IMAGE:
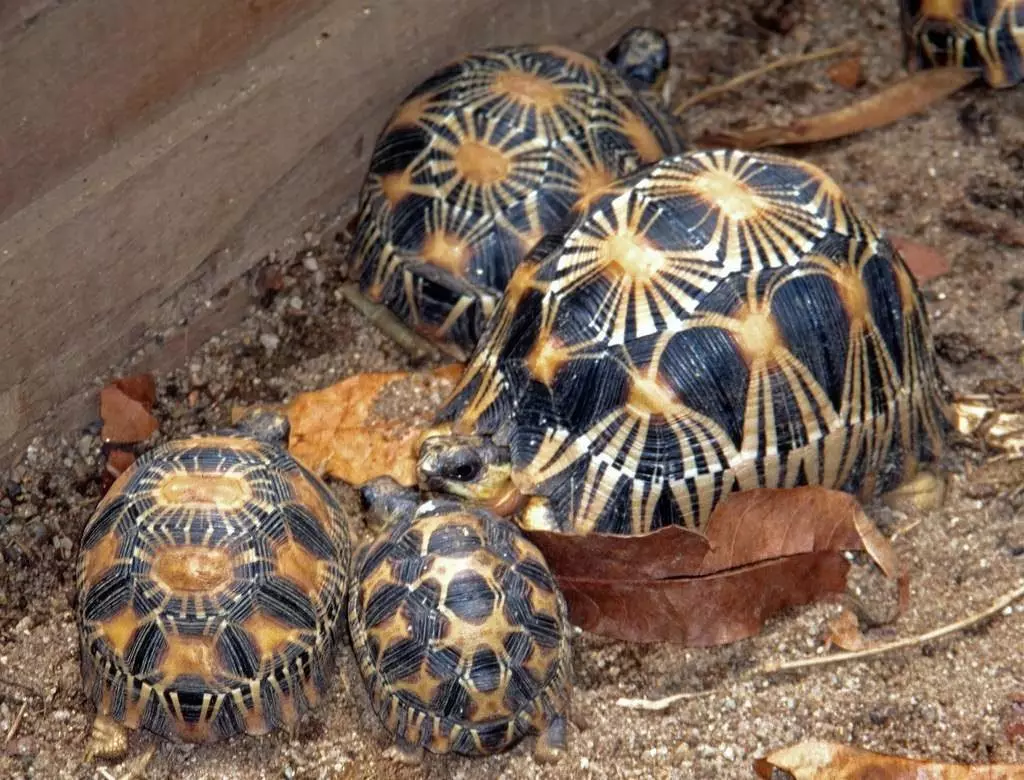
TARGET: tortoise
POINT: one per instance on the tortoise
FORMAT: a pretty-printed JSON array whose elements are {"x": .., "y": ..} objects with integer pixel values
[
  {"x": 978, "y": 34},
  {"x": 718, "y": 321},
  {"x": 211, "y": 590},
  {"x": 461, "y": 634},
  {"x": 481, "y": 160}
]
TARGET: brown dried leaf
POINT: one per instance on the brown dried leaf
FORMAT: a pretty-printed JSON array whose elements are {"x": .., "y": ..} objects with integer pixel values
[
  {"x": 125, "y": 406},
  {"x": 815, "y": 759},
  {"x": 781, "y": 545},
  {"x": 341, "y": 431},
  {"x": 906, "y": 97},
  {"x": 702, "y": 611},
  {"x": 848, "y": 73},
  {"x": 844, "y": 632},
  {"x": 923, "y": 261}
]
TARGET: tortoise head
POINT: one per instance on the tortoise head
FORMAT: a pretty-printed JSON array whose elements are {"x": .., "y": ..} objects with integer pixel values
[
  {"x": 470, "y": 467},
  {"x": 387, "y": 502},
  {"x": 641, "y": 56},
  {"x": 264, "y": 425}
]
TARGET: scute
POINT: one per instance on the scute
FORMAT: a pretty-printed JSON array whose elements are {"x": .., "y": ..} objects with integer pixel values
[
  {"x": 772, "y": 341},
  {"x": 178, "y": 649},
  {"x": 479, "y": 163},
  {"x": 475, "y": 653}
]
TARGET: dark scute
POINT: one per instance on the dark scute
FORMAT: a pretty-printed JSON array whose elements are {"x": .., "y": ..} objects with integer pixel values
[
  {"x": 785, "y": 182},
  {"x": 470, "y": 597},
  {"x": 238, "y": 653},
  {"x": 500, "y": 535},
  {"x": 108, "y": 596},
  {"x": 309, "y": 532},
  {"x": 407, "y": 544},
  {"x": 452, "y": 700},
  {"x": 397, "y": 150},
  {"x": 408, "y": 570},
  {"x": 420, "y": 613},
  {"x": 401, "y": 660},
  {"x": 408, "y": 225},
  {"x": 102, "y": 523},
  {"x": 383, "y": 604},
  {"x": 229, "y": 719},
  {"x": 886, "y": 305},
  {"x": 536, "y": 572},
  {"x": 495, "y": 256},
  {"x": 519, "y": 611},
  {"x": 810, "y": 316},
  {"x": 485, "y": 671},
  {"x": 454, "y": 540},
  {"x": 443, "y": 664},
  {"x": 585, "y": 391},
  {"x": 666, "y": 511},
  {"x": 790, "y": 429},
  {"x": 282, "y": 600},
  {"x": 191, "y": 692},
  {"x": 145, "y": 650},
  {"x": 522, "y": 332},
  {"x": 493, "y": 736},
  {"x": 522, "y": 688}
]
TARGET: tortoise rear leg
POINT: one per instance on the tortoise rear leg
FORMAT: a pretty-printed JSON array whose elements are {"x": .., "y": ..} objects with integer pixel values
[
  {"x": 922, "y": 492},
  {"x": 387, "y": 322},
  {"x": 404, "y": 752},
  {"x": 551, "y": 742},
  {"x": 108, "y": 739}
]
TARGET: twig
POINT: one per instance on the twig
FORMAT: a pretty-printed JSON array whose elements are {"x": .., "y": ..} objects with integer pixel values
[
  {"x": 137, "y": 769},
  {"x": 802, "y": 663},
  {"x": 743, "y": 78},
  {"x": 906, "y": 529},
  {"x": 22, "y": 687},
  {"x": 657, "y": 705},
  {"x": 17, "y": 722}
]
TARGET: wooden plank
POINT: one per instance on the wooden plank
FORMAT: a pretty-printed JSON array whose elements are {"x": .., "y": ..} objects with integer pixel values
[
  {"x": 187, "y": 205},
  {"x": 77, "y": 75}
]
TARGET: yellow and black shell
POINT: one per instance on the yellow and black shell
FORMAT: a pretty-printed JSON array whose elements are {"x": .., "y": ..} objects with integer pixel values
[
  {"x": 983, "y": 34},
  {"x": 211, "y": 590},
  {"x": 716, "y": 322},
  {"x": 461, "y": 633},
  {"x": 479, "y": 161}
]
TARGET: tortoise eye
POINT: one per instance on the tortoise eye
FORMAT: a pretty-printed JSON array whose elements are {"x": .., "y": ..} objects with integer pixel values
[{"x": 466, "y": 469}]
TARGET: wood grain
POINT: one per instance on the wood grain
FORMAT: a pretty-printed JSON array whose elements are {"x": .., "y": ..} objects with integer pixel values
[{"x": 139, "y": 238}]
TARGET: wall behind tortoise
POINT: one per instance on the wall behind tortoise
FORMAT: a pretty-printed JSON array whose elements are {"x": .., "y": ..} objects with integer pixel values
[{"x": 152, "y": 152}]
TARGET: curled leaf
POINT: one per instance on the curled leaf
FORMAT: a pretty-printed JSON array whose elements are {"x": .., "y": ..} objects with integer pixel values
[
  {"x": 820, "y": 759},
  {"x": 844, "y": 632},
  {"x": 347, "y": 431},
  {"x": 762, "y": 551},
  {"x": 906, "y": 97}
]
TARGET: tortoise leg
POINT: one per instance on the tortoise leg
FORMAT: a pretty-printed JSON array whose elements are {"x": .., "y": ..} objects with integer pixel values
[
  {"x": 386, "y": 321},
  {"x": 551, "y": 742},
  {"x": 108, "y": 739},
  {"x": 388, "y": 502},
  {"x": 537, "y": 515},
  {"x": 404, "y": 752},
  {"x": 922, "y": 492}
]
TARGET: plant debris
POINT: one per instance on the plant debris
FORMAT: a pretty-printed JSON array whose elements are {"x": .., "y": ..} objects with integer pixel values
[
  {"x": 924, "y": 262},
  {"x": 342, "y": 431},
  {"x": 677, "y": 585},
  {"x": 815, "y": 759},
  {"x": 126, "y": 409}
]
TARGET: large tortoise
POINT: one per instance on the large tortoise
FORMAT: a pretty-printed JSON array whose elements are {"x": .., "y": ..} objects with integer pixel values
[
  {"x": 484, "y": 158},
  {"x": 716, "y": 322}
]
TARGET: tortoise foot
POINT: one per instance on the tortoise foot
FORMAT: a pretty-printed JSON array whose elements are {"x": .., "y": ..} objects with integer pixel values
[
  {"x": 403, "y": 752},
  {"x": 551, "y": 743},
  {"x": 108, "y": 739},
  {"x": 921, "y": 493}
]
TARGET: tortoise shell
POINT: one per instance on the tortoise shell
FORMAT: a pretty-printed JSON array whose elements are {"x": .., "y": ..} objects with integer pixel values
[
  {"x": 983, "y": 34},
  {"x": 211, "y": 590},
  {"x": 716, "y": 322},
  {"x": 461, "y": 633},
  {"x": 482, "y": 159}
]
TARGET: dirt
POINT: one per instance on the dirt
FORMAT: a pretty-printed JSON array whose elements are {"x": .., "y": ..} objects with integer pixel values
[{"x": 950, "y": 178}]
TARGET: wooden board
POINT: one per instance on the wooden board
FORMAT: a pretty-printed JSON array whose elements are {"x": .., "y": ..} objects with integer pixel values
[{"x": 174, "y": 213}]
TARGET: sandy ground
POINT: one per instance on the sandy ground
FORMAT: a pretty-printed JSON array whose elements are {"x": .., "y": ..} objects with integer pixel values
[{"x": 935, "y": 178}]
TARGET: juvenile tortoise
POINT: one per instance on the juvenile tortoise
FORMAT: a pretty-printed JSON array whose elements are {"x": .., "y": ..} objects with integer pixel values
[
  {"x": 480, "y": 161},
  {"x": 211, "y": 590},
  {"x": 461, "y": 634},
  {"x": 987, "y": 35},
  {"x": 716, "y": 322}
]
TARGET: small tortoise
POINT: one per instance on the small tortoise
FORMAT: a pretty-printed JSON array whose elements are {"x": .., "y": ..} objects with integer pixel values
[
  {"x": 980, "y": 34},
  {"x": 484, "y": 158},
  {"x": 211, "y": 590},
  {"x": 716, "y": 322},
  {"x": 461, "y": 634}
]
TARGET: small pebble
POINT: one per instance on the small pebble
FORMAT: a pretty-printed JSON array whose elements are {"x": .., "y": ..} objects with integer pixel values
[{"x": 270, "y": 341}]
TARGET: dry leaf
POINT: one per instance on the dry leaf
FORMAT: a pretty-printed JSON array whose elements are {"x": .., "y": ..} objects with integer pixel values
[
  {"x": 923, "y": 261},
  {"x": 848, "y": 73},
  {"x": 763, "y": 550},
  {"x": 998, "y": 423},
  {"x": 341, "y": 431},
  {"x": 844, "y": 632},
  {"x": 817, "y": 759},
  {"x": 118, "y": 461},
  {"x": 906, "y": 97},
  {"x": 703, "y": 611},
  {"x": 125, "y": 406}
]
